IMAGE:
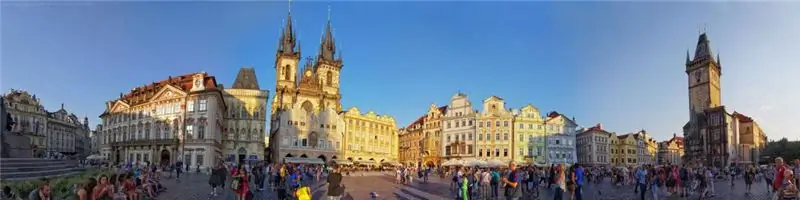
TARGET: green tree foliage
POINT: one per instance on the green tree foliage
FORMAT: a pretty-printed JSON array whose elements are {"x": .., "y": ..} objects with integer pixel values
[{"x": 788, "y": 150}]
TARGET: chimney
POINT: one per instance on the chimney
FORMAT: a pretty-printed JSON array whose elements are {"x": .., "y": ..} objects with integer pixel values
[{"x": 674, "y": 135}]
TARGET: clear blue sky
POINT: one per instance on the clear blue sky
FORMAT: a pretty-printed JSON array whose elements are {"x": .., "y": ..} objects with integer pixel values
[{"x": 620, "y": 64}]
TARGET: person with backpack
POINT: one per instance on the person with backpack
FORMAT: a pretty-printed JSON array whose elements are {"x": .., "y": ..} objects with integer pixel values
[{"x": 494, "y": 183}]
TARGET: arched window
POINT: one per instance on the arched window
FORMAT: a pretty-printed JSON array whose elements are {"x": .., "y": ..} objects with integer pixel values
[
  {"x": 329, "y": 78},
  {"x": 286, "y": 74}
]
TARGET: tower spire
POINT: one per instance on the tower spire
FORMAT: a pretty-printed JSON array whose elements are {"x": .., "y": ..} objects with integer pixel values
[
  {"x": 288, "y": 39},
  {"x": 327, "y": 49}
]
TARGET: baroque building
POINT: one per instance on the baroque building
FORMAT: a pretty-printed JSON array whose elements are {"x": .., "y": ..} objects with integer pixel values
[
  {"x": 624, "y": 150},
  {"x": 494, "y": 131},
  {"x": 370, "y": 138},
  {"x": 50, "y": 132},
  {"x": 751, "y": 138},
  {"x": 594, "y": 146},
  {"x": 459, "y": 128},
  {"x": 305, "y": 114},
  {"x": 561, "y": 132},
  {"x": 245, "y": 118},
  {"x": 670, "y": 151},
  {"x": 177, "y": 119},
  {"x": 432, "y": 136},
  {"x": 530, "y": 136},
  {"x": 411, "y": 143}
]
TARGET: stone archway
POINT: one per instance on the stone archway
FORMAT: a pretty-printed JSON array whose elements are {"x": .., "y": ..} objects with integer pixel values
[
  {"x": 304, "y": 156},
  {"x": 323, "y": 158},
  {"x": 165, "y": 156},
  {"x": 288, "y": 155}
]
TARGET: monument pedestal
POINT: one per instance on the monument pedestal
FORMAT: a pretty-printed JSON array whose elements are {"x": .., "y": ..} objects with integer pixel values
[{"x": 16, "y": 145}]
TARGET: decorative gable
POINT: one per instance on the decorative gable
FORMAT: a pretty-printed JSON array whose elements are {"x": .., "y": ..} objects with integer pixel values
[
  {"x": 118, "y": 106},
  {"x": 168, "y": 92}
]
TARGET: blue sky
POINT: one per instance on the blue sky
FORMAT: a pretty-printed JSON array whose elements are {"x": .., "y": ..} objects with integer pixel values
[{"x": 620, "y": 64}]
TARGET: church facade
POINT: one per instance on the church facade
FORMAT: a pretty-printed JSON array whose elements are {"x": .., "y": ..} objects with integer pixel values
[{"x": 306, "y": 114}]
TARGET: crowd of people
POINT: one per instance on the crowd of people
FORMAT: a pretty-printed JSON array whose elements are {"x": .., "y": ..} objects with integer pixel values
[{"x": 646, "y": 181}]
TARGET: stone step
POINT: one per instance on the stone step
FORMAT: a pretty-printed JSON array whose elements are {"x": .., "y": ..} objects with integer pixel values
[
  {"x": 35, "y": 168},
  {"x": 76, "y": 172},
  {"x": 30, "y": 174},
  {"x": 14, "y": 164}
]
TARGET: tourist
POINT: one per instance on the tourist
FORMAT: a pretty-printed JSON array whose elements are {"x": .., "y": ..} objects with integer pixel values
[
  {"x": 303, "y": 192},
  {"x": 559, "y": 180},
  {"x": 335, "y": 187},
  {"x": 788, "y": 188},
  {"x": 41, "y": 193},
  {"x": 749, "y": 175},
  {"x": 84, "y": 192},
  {"x": 215, "y": 179},
  {"x": 796, "y": 171},
  {"x": 8, "y": 194},
  {"x": 241, "y": 183},
  {"x": 780, "y": 172},
  {"x": 641, "y": 181}
]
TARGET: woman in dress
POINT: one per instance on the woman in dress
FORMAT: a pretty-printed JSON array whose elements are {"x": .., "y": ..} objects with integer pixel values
[{"x": 243, "y": 183}]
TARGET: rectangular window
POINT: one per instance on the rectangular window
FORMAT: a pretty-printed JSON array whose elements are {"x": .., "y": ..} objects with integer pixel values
[
  {"x": 497, "y": 152},
  {"x": 203, "y": 103},
  {"x": 505, "y": 152},
  {"x": 189, "y": 133},
  {"x": 201, "y": 132},
  {"x": 305, "y": 142},
  {"x": 200, "y": 160},
  {"x": 190, "y": 106}
]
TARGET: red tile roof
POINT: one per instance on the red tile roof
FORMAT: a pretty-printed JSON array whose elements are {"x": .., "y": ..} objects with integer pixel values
[
  {"x": 184, "y": 82},
  {"x": 742, "y": 118}
]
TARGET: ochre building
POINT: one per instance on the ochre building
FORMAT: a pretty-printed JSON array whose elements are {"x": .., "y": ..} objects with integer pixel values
[
  {"x": 411, "y": 142},
  {"x": 370, "y": 138}
]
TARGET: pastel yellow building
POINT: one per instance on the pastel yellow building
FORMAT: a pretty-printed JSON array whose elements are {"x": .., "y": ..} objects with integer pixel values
[
  {"x": 245, "y": 118},
  {"x": 432, "y": 133},
  {"x": 530, "y": 135},
  {"x": 370, "y": 138},
  {"x": 494, "y": 131},
  {"x": 623, "y": 150}
]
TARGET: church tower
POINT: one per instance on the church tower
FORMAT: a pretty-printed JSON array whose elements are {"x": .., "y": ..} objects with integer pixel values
[
  {"x": 329, "y": 67},
  {"x": 703, "y": 72},
  {"x": 287, "y": 59}
]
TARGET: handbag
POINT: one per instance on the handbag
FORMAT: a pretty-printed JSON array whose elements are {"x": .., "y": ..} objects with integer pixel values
[{"x": 235, "y": 183}]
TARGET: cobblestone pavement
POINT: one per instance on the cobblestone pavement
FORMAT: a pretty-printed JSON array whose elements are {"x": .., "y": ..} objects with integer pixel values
[{"x": 359, "y": 186}]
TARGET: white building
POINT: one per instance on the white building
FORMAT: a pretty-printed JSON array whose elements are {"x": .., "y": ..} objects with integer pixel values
[
  {"x": 50, "y": 132},
  {"x": 561, "y": 139},
  {"x": 177, "y": 119},
  {"x": 459, "y": 128},
  {"x": 305, "y": 117},
  {"x": 594, "y": 146}
]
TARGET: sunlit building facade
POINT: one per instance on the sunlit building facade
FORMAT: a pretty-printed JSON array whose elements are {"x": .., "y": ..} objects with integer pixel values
[
  {"x": 370, "y": 138},
  {"x": 176, "y": 119},
  {"x": 459, "y": 128},
  {"x": 245, "y": 118},
  {"x": 495, "y": 128}
]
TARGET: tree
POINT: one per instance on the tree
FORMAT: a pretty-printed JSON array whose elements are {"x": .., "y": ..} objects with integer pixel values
[{"x": 788, "y": 150}]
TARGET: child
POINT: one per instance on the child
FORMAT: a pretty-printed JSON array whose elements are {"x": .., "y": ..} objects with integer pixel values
[{"x": 303, "y": 192}]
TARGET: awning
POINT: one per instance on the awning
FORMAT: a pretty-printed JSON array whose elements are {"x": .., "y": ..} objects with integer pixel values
[
  {"x": 365, "y": 162},
  {"x": 343, "y": 162},
  {"x": 303, "y": 160},
  {"x": 392, "y": 163}
]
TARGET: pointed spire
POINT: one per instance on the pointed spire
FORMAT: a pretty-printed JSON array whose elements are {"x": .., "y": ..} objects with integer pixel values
[
  {"x": 687, "y": 57},
  {"x": 719, "y": 62},
  {"x": 327, "y": 49},
  {"x": 287, "y": 43},
  {"x": 703, "y": 49}
]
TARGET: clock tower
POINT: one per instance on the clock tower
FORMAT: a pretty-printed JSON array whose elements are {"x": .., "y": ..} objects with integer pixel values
[{"x": 703, "y": 72}]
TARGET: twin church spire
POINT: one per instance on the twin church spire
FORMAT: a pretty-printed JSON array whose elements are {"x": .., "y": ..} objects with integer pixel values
[{"x": 288, "y": 44}]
